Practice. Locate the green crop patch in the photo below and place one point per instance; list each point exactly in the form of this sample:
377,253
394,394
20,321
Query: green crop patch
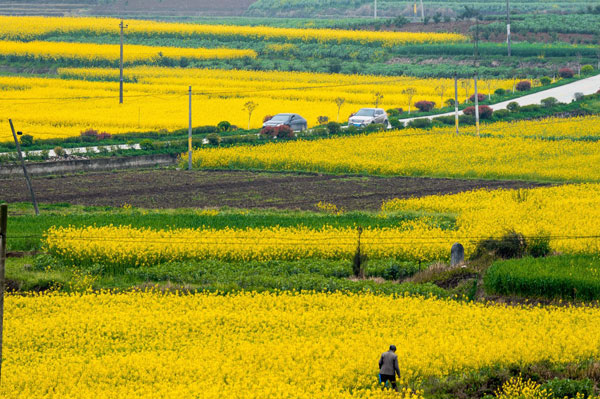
567,277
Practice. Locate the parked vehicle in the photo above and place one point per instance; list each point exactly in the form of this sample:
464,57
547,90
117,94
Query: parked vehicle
294,121
368,116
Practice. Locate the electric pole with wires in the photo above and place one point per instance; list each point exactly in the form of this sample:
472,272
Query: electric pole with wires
121,26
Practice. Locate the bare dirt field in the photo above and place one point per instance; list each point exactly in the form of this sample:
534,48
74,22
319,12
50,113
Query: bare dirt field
168,188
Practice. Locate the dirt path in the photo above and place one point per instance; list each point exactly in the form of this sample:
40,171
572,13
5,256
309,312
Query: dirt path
167,188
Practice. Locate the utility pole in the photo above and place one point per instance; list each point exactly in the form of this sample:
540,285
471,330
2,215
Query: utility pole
422,12
35,205
3,224
375,12
121,26
456,102
476,106
190,133
508,25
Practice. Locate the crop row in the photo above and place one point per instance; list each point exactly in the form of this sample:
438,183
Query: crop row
139,345
413,152
28,28
110,52
479,215
123,246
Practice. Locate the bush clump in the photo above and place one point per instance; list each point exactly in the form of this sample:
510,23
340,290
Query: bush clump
566,73
513,106
523,85
425,106
280,132
485,112
480,97
545,80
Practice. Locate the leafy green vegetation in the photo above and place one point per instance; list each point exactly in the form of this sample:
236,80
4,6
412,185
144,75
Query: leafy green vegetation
43,273
27,230
566,276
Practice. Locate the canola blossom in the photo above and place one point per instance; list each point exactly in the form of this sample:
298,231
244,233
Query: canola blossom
248,345
568,215
156,98
110,52
125,246
413,152
29,28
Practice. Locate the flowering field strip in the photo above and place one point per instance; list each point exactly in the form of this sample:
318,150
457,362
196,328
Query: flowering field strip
125,246
30,28
411,152
140,345
479,214
57,51
51,107
581,128
568,215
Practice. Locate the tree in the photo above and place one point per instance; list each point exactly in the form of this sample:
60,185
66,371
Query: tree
488,85
250,106
466,84
339,102
378,98
441,89
409,93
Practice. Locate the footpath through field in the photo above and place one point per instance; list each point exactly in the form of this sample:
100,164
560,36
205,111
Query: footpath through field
564,94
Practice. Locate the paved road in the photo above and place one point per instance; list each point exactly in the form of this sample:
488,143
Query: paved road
564,94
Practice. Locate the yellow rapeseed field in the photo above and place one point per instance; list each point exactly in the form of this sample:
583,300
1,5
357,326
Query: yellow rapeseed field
413,152
568,215
132,247
110,52
28,28
246,346
63,107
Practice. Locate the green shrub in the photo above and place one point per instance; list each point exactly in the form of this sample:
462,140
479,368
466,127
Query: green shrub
549,102
567,388
500,92
587,70
223,126
545,80
26,140
60,152
147,145
446,120
513,106
530,108
214,139
334,127
501,113
511,245
420,123
538,246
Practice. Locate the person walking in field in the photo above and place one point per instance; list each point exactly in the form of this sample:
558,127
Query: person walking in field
388,367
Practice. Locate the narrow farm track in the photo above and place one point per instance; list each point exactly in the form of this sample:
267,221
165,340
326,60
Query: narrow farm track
564,94
166,188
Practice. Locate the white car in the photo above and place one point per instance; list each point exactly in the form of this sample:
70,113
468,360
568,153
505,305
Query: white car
368,116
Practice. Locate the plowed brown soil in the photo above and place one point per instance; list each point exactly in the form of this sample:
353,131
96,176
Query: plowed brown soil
167,188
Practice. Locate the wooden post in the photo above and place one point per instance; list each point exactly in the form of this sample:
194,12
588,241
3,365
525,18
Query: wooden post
3,225
35,205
